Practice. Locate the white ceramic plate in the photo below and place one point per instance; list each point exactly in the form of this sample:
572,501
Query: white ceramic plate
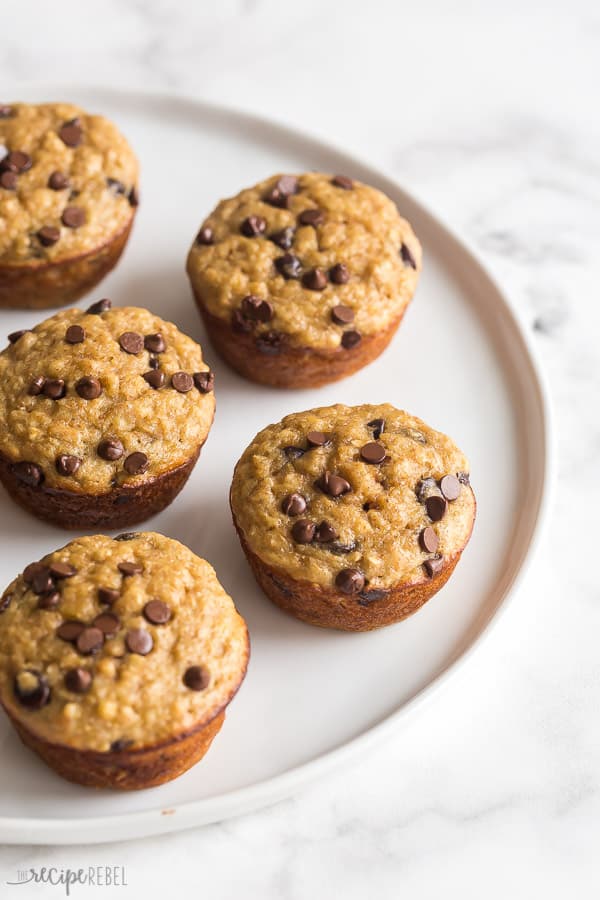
460,361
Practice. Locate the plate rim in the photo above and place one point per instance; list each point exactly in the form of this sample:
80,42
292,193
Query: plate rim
158,820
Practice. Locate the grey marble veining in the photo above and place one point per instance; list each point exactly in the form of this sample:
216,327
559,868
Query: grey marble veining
489,113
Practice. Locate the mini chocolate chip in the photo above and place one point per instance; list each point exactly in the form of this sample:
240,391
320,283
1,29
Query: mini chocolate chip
153,362
253,226
424,488
110,449
204,381
58,181
407,257
127,536
70,630
14,336
429,540
90,640
108,623
37,386
9,181
60,569
157,612
73,217
33,570
17,161
115,185
436,507
138,640
71,133
196,678
378,427
88,388
239,323
67,465
450,487
99,307
315,280
333,485
350,581
128,568
6,112
136,463
108,595
283,238
131,342
42,582
182,382
205,236
325,533
283,188
288,265
373,453
134,197
341,549
78,680
257,309
369,505
31,689
50,600
433,566
155,378
463,477
351,339
54,388
367,597
119,745
293,504
303,531
74,334
317,439
312,217
28,473
342,315
269,342
293,452
6,599
339,274
342,181
48,235
155,343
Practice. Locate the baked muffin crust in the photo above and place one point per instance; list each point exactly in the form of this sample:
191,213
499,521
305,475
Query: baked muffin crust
162,649
313,261
331,492
68,183
94,400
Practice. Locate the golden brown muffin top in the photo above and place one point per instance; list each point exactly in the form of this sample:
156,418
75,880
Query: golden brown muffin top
68,182
119,643
362,497
312,260
92,400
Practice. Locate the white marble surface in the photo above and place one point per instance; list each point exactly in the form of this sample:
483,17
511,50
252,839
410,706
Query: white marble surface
488,112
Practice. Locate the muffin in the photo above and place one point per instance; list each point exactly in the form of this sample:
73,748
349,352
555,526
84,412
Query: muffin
352,517
302,280
118,658
102,415
68,196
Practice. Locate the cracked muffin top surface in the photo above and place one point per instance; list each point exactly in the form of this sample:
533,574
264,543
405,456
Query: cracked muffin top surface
309,257
366,489
119,643
68,183
92,400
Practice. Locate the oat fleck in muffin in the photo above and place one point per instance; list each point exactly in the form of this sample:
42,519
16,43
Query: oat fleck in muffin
68,196
118,658
302,280
102,415
352,517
